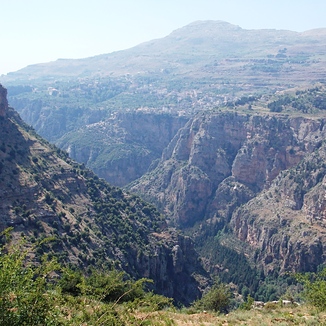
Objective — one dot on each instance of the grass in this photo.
(302, 315)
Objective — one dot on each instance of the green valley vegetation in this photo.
(47, 293)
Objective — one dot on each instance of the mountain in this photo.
(198, 67)
(251, 180)
(221, 128)
(190, 49)
(45, 194)
(123, 147)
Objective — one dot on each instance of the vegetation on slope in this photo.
(52, 195)
(93, 224)
(48, 294)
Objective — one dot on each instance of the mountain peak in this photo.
(207, 26)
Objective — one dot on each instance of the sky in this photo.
(37, 31)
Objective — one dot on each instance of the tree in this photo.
(314, 288)
(216, 299)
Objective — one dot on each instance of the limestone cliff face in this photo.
(122, 148)
(174, 263)
(54, 122)
(3, 101)
(219, 161)
(285, 225)
(261, 176)
(119, 147)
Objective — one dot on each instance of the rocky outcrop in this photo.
(3, 102)
(285, 225)
(174, 263)
(219, 161)
(53, 122)
(259, 176)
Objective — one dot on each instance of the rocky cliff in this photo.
(118, 146)
(174, 262)
(123, 147)
(222, 161)
(285, 225)
(221, 154)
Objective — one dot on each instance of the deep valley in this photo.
(195, 156)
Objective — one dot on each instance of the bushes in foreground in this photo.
(27, 294)
(48, 294)
(217, 299)
(314, 288)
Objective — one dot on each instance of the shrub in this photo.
(111, 286)
(70, 282)
(48, 294)
(26, 298)
(314, 288)
(216, 299)
(247, 305)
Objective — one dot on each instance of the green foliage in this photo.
(277, 105)
(47, 294)
(308, 101)
(216, 299)
(239, 270)
(112, 286)
(48, 198)
(70, 282)
(27, 297)
(314, 288)
(247, 305)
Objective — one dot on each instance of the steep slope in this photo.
(285, 225)
(123, 147)
(216, 153)
(44, 194)
(216, 171)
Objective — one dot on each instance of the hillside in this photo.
(248, 182)
(192, 50)
(123, 147)
(46, 194)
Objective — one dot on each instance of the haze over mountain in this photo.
(200, 66)
(194, 48)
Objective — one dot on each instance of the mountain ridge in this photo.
(216, 31)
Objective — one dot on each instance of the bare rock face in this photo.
(285, 225)
(124, 146)
(261, 176)
(219, 161)
(174, 263)
(3, 102)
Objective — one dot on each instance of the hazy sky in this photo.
(35, 31)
